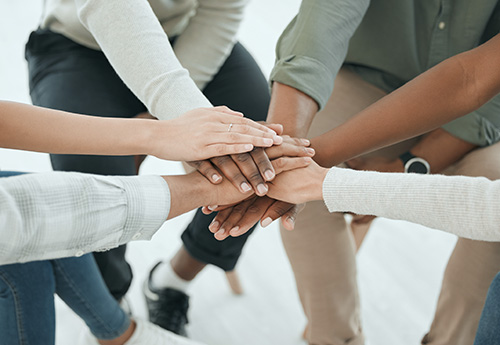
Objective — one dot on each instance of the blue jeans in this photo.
(27, 314)
(488, 331)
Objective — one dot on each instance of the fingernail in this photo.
(249, 147)
(233, 230)
(268, 141)
(245, 187)
(277, 139)
(213, 225)
(211, 208)
(262, 189)
(266, 222)
(305, 142)
(220, 232)
(291, 220)
(269, 175)
(310, 150)
(215, 177)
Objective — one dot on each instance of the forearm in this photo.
(465, 206)
(292, 108)
(38, 129)
(62, 214)
(451, 89)
(188, 192)
(139, 50)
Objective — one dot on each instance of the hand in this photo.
(238, 219)
(300, 185)
(254, 169)
(208, 132)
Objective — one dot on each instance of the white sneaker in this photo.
(146, 333)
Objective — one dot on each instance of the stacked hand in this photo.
(252, 170)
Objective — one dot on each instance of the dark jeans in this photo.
(488, 331)
(67, 76)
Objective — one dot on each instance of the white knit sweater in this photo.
(466, 206)
(132, 35)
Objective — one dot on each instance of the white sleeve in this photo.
(135, 44)
(208, 39)
(54, 215)
(466, 206)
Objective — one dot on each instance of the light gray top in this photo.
(133, 36)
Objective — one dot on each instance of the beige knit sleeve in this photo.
(466, 206)
(135, 44)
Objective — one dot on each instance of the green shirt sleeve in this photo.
(312, 48)
(481, 127)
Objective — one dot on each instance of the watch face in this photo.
(418, 167)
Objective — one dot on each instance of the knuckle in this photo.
(221, 149)
(233, 137)
(255, 176)
(223, 160)
(243, 157)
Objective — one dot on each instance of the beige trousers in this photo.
(323, 255)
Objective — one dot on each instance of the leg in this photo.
(81, 287)
(27, 314)
(328, 291)
(240, 85)
(461, 299)
(67, 76)
(488, 331)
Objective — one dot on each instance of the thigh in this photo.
(27, 314)
(240, 85)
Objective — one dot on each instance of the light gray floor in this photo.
(400, 264)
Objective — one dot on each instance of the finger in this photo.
(275, 211)
(224, 128)
(252, 215)
(264, 163)
(288, 219)
(290, 163)
(254, 137)
(274, 126)
(232, 172)
(226, 110)
(251, 124)
(295, 148)
(229, 225)
(207, 169)
(219, 219)
(251, 171)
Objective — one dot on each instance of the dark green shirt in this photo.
(388, 42)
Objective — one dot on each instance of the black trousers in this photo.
(67, 76)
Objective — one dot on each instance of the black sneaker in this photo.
(167, 307)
